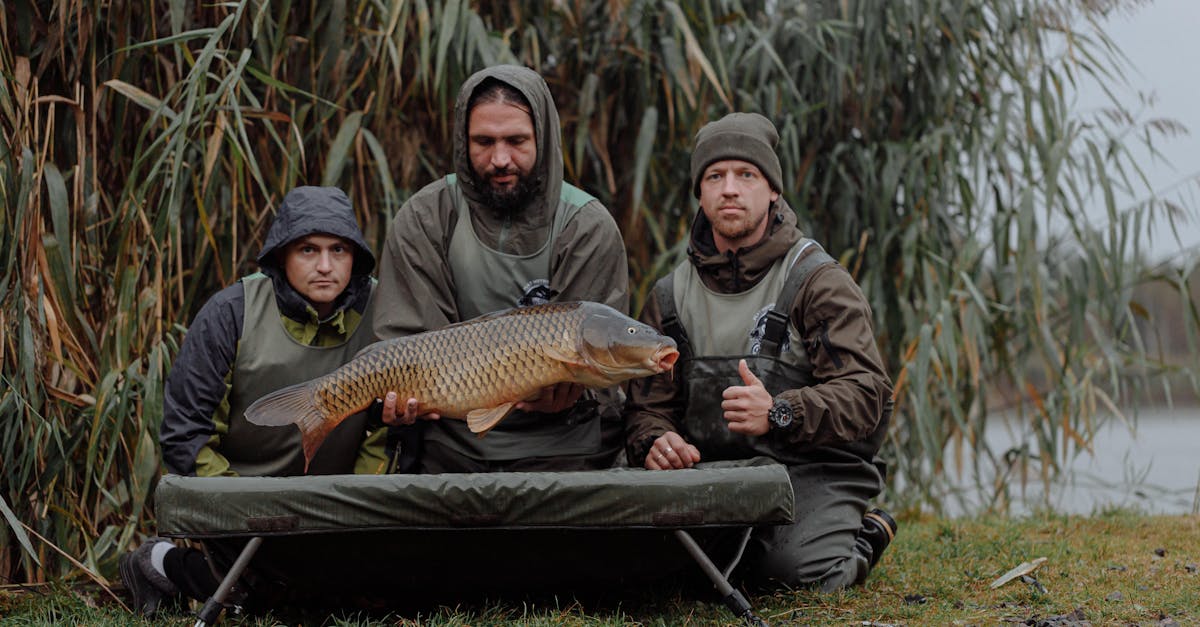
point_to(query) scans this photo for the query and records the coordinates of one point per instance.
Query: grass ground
(1116, 568)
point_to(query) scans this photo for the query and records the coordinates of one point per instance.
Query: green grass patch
(1112, 568)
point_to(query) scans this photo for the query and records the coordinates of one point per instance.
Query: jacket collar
(741, 269)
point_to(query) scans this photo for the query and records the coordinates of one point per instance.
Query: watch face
(780, 414)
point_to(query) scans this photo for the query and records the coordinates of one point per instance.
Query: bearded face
(503, 151)
(506, 196)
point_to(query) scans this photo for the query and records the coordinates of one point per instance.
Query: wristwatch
(780, 414)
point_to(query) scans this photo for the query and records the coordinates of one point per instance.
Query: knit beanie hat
(742, 136)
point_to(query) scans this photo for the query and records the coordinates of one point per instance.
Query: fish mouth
(665, 358)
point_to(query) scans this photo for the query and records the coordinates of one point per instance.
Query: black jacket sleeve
(196, 385)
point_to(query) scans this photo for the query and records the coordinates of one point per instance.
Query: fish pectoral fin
(589, 376)
(569, 360)
(582, 371)
(480, 421)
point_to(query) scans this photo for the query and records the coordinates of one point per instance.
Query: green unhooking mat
(370, 535)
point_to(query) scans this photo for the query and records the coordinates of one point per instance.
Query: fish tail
(295, 404)
(292, 404)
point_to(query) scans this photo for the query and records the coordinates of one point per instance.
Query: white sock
(158, 554)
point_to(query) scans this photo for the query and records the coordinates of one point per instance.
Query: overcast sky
(1162, 41)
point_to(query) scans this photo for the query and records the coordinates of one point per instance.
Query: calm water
(1153, 467)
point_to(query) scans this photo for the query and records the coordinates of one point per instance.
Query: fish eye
(631, 330)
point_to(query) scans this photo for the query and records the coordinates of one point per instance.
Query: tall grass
(929, 145)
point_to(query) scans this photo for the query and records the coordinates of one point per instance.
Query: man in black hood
(303, 315)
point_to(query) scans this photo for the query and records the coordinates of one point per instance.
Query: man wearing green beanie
(778, 358)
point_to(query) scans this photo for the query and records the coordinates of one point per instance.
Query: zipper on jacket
(735, 262)
(837, 361)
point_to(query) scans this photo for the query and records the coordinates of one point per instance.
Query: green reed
(929, 145)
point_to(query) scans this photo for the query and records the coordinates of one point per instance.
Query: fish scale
(476, 370)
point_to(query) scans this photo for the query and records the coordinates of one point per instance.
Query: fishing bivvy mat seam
(390, 536)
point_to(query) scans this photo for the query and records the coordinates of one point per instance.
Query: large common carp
(475, 370)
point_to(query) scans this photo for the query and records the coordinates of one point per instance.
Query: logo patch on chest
(759, 332)
(536, 292)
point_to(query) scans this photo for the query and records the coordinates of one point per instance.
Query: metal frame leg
(216, 603)
(733, 598)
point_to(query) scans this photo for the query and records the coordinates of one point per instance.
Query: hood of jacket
(739, 270)
(524, 230)
(306, 211)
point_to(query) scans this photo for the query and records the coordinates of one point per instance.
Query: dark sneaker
(879, 529)
(148, 587)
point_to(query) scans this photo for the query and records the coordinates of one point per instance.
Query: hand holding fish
(746, 406)
(549, 400)
(410, 415)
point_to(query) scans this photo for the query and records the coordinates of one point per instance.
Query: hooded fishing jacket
(830, 372)
(437, 270)
(259, 335)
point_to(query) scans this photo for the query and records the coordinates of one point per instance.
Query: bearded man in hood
(504, 230)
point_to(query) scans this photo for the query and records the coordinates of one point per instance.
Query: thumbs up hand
(746, 406)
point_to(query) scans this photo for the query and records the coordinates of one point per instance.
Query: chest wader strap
(777, 318)
(775, 330)
(665, 291)
(402, 448)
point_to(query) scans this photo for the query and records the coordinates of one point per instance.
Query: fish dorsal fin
(480, 421)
